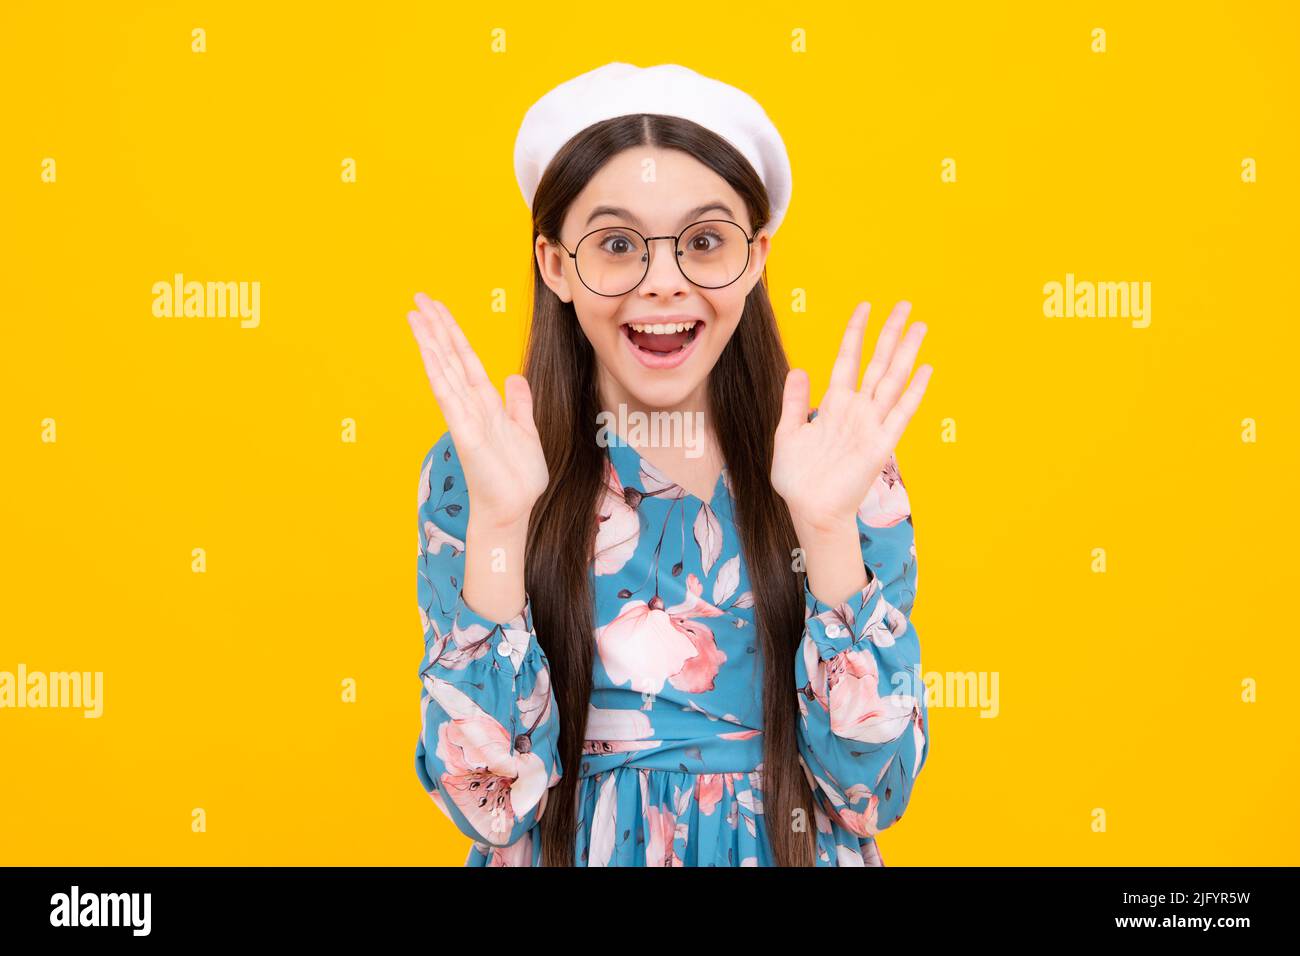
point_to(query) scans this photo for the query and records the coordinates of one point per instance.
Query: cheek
(598, 322)
(726, 312)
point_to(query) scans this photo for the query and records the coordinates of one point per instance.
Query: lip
(673, 359)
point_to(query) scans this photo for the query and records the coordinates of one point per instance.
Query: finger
(794, 403)
(900, 367)
(419, 323)
(447, 348)
(449, 401)
(845, 371)
(885, 345)
(475, 373)
(519, 402)
(896, 421)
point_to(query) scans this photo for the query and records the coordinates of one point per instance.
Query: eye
(706, 240)
(617, 244)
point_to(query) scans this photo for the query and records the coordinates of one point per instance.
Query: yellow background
(1119, 691)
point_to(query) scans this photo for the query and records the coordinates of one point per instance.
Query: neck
(684, 425)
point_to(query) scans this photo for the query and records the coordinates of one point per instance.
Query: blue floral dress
(672, 771)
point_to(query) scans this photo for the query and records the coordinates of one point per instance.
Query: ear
(551, 259)
(758, 250)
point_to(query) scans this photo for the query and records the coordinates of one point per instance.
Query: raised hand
(824, 468)
(497, 443)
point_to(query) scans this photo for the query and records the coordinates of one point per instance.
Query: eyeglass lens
(712, 253)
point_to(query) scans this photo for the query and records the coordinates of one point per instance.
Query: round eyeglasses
(711, 254)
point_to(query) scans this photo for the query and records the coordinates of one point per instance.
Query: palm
(824, 468)
(497, 443)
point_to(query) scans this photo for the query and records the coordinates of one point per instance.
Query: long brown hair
(744, 406)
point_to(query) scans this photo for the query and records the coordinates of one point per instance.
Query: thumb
(519, 402)
(794, 403)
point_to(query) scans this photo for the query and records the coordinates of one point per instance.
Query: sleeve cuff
(837, 629)
(466, 617)
(513, 638)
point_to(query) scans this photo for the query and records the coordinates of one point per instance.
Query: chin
(665, 393)
(665, 396)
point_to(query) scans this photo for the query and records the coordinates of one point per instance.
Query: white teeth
(661, 328)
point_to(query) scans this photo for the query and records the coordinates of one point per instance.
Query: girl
(640, 655)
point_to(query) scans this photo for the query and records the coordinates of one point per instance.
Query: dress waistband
(732, 752)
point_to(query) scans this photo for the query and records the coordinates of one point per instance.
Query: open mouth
(661, 338)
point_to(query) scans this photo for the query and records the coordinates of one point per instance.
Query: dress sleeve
(488, 747)
(863, 727)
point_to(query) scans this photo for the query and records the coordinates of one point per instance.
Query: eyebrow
(690, 216)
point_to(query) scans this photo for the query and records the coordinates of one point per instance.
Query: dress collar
(636, 472)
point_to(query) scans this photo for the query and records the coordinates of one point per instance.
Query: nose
(664, 279)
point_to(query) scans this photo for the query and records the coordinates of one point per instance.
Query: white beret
(617, 89)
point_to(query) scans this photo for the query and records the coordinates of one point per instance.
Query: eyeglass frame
(749, 242)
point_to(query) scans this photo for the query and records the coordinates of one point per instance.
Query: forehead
(656, 189)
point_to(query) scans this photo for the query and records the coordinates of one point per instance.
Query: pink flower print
(604, 824)
(693, 605)
(739, 734)
(918, 740)
(886, 503)
(618, 526)
(885, 623)
(661, 831)
(708, 791)
(491, 783)
(519, 853)
(612, 730)
(435, 538)
(644, 646)
(857, 710)
(465, 645)
(860, 823)
(649, 645)
(698, 673)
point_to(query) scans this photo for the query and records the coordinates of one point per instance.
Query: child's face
(661, 189)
